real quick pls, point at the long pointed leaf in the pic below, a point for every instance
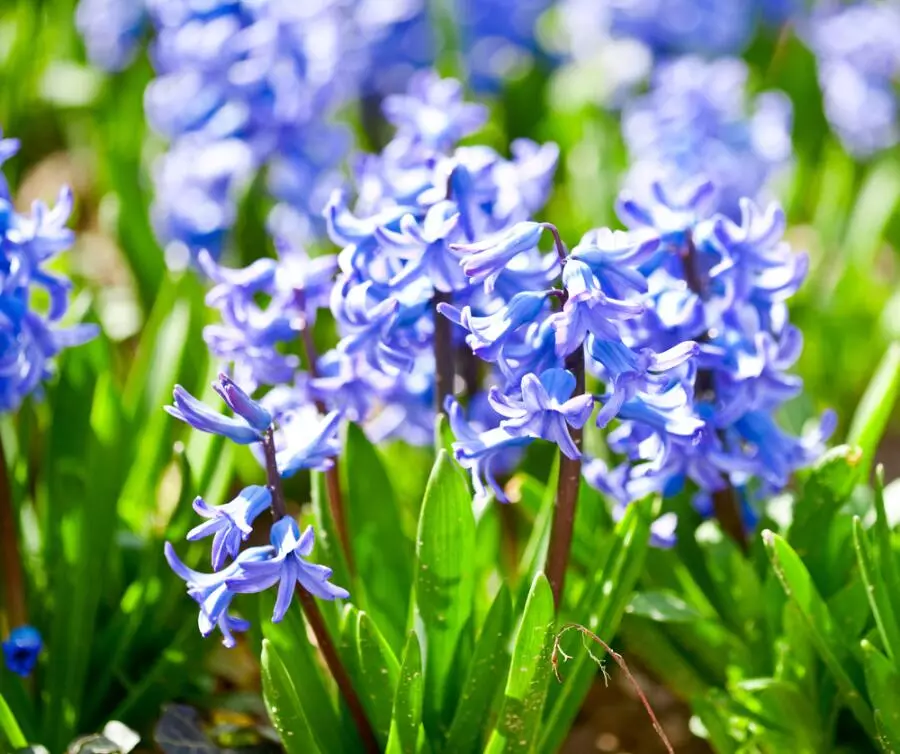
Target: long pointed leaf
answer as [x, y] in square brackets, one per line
[445, 584]
[283, 706]
[406, 717]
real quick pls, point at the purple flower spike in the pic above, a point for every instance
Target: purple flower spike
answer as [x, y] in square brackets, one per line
[230, 524]
[545, 409]
[287, 567]
[484, 261]
[200, 416]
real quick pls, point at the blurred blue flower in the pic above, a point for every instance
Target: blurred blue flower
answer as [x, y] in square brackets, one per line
[433, 113]
[287, 567]
[112, 30]
[230, 524]
[30, 336]
[21, 650]
[859, 64]
[706, 27]
[697, 120]
[499, 39]
[545, 408]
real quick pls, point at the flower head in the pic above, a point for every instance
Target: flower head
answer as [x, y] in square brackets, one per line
[230, 524]
[287, 567]
[545, 409]
[21, 650]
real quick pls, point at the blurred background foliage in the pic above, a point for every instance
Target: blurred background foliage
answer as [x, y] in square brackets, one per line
[104, 487]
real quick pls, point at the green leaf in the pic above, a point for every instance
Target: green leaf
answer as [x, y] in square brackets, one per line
[604, 600]
[328, 543]
[383, 555]
[876, 407]
[289, 639]
[444, 587]
[519, 719]
[665, 607]
[821, 628]
[283, 706]
[406, 717]
[826, 489]
[10, 728]
[876, 590]
[490, 663]
[883, 681]
[379, 672]
[715, 721]
[887, 561]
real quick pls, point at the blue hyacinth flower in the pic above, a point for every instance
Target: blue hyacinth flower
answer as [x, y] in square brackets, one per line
[481, 452]
[485, 261]
[545, 409]
[288, 568]
[200, 416]
[307, 447]
[230, 524]
[487, 335]
[210, 591]
[21, 650]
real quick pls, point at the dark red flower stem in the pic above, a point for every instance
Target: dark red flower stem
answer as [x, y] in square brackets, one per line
[726, 503]
[444, 368]
[332, 475]
[314, 616]
[10, 554]
[562, 527]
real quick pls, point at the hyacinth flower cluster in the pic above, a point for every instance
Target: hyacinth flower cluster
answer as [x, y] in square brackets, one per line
[243, 86]
[416, 201]
[285, 443]
[859, 66]
[682, 319]
[499, 39]
[30, 334]
[703, 27]
[112, 30]
[696, 120]
[723, 284]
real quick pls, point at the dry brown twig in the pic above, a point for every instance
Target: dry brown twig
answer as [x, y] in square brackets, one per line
[620, 661]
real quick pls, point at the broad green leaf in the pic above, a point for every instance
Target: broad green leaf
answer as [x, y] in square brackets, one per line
[876, 590]
[289, 639]
[783, 706]
[604, 601]
[825, 490]
[670, 662]
[379, 672]
[283, 706]
[876, 407]
[519, 719]
[383, 555]
[10, 728]
[406, 717]
[490, 663]
[831, 646]
[665, 607]
[875, 205]
[444, 586]
[883, 682]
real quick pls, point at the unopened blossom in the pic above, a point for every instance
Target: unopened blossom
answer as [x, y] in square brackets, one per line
[21, 650]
